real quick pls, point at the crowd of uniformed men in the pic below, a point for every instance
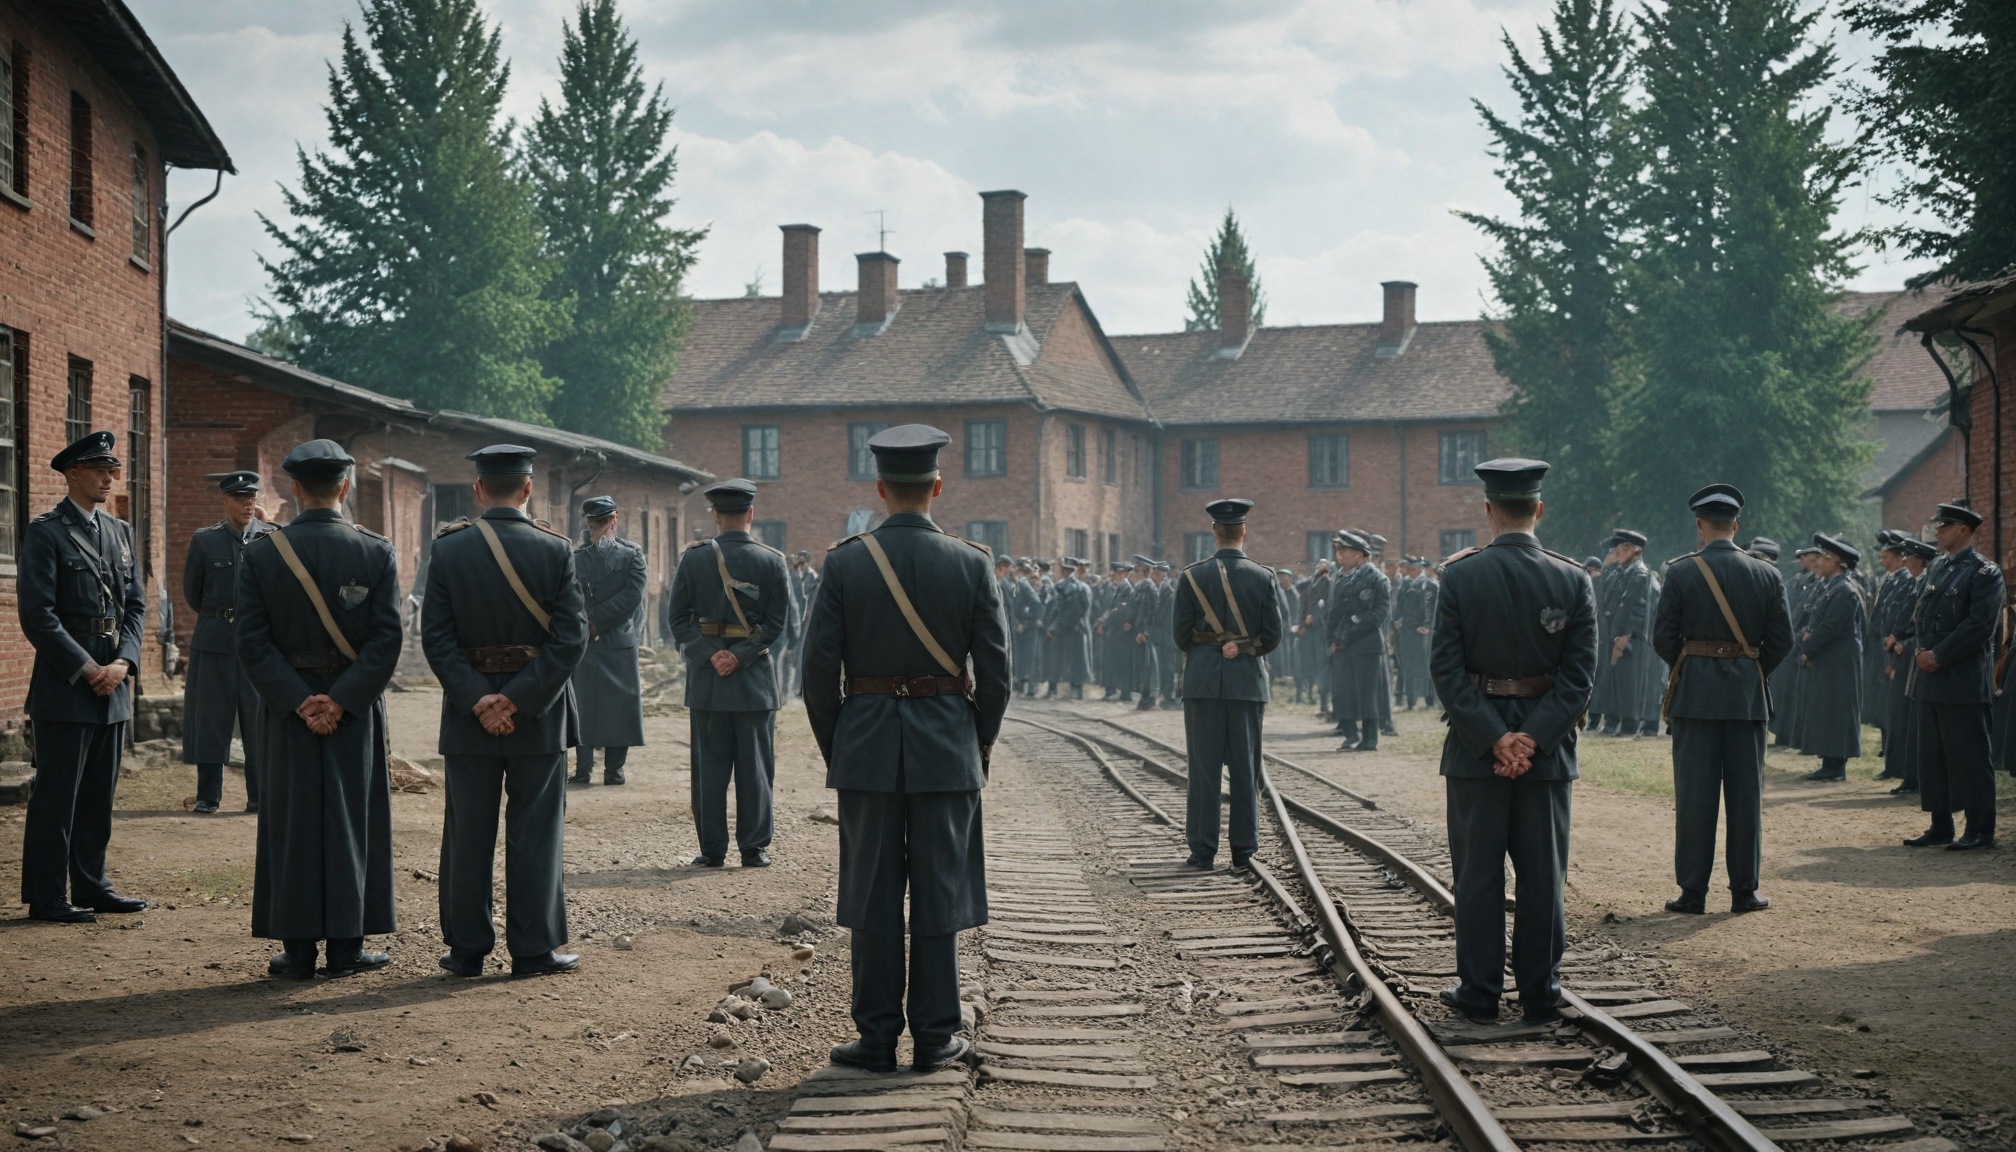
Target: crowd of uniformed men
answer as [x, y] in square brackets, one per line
[907, 647]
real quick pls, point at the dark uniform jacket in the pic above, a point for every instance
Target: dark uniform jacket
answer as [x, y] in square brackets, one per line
[1207, 675]
[1830, 681]
[1360, 601]
[761, 588]
[1708, 688]
[881, 743]
[469, 604]
[1955, 620]
[1511, 610]
[210, 583]
[612, 589]
[61, 590]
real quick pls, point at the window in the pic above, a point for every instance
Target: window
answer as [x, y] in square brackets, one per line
[860, 461]
[1113, 546]
[992, 533]
[140, 465]
[1074, 452]
[1109, 455]
[1197, 546]
[770, 532]
[10, 135]
[1461, 453]
[1454, 540]
[860, 520]
[80, 160]
[986, 447]
[1200, 464]
[77, 408]
[1330, 460]
[759, 452]
[13, 479]
[1077, 542]
[1316, 545]
[143, 208]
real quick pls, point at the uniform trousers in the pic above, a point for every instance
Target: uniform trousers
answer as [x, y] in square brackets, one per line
[534, 792]
[69, 819]
[1491, 818]
[1717, 763]
[210, 777]
[1954, 769]
[613, 758]
[732, 746]
[1147, 673]
[1222, 734]
[933, 845]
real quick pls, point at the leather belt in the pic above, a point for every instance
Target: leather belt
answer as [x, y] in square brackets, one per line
[328, 660]
[228, 615]
[93, 625]
[1525, 688]
[1246, 644]
[906, 686]
[502, 657]
[1719, 650]
[716, 628]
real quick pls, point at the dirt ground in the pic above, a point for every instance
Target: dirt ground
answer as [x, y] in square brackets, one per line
[1873, 960]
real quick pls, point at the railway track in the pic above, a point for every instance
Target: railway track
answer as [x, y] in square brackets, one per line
[1344, 921]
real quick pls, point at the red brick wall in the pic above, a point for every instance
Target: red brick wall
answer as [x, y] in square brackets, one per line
[1937, 479]
[1981, 464]
[75, 295]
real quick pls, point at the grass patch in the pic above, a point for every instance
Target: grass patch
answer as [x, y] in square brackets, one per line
[217, 881]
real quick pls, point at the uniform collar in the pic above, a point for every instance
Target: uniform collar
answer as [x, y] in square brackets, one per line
[77, 514]
[318, 515]
[1229, 554]
[909, 520]
[735, 535]
[1515, 540]
[1720, 544]
[505, 512]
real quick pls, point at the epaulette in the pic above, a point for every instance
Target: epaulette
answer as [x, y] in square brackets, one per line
[1682, 556]
[455, 525]
[49, 515]
[971, 543]
[217, 527]
[369, 532]
[547, 528]
[1466, 553]
[1568, 560]
[839, 544]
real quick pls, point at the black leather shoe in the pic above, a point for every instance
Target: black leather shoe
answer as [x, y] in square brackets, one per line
[117, 904]
[933, 1057]
[1930, 838]
[1971, 841]
[1201, 863]
[1886, 774]
[355, 962]
[205, 808]
[62, 912]
[1240, 860]
[615, 777]
[1904, 790]
[289, 968]
[1147, 703]
[547, 965]
[1691, 905]
[705, 861]
[1362, 746]
[1469, 1012]
[460, 963]
[1547, 1015]
[1748, 902]
[585, 776]
[756, 859]
[1822, 776]
[855, 1054]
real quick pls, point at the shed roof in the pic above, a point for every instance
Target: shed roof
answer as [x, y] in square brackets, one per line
[115, 39]
[1903, 376]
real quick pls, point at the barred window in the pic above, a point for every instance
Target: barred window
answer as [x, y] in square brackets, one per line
[143, 208]
[760, 459]
[1461, 453]
[986, 447]
[1077, 542]
[992, 533]
[1200, 464]
[1197, 546]
[1330, 460]
[861, 461]
[140, 465]
[77, 404]
[9, 139]
[13, 483]
[80, 160]
[770, 532]
[1074, 452]
[1454, 540]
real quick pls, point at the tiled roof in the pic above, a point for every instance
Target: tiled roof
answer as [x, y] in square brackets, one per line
[934, 351]
[1904, 375]
[1320, 372]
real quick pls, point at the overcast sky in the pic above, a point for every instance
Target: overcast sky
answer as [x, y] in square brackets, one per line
[1340, 130]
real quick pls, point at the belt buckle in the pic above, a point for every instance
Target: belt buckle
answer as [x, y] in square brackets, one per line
[899, 687]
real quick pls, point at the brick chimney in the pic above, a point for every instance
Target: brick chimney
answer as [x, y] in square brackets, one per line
[1235, 307]
[955, 269]
[1396, 326]
[876, 301]
[801, 277]
[1001, 224]
[1036, 265]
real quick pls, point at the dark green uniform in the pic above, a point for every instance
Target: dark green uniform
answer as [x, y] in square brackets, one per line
[606, 689]
[1355, 631]
[217, 696]
[1955, 621]
[1830, 675]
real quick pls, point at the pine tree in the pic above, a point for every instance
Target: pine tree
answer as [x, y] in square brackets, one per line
[602, 173]
[1203, 297]
[1555, 276]
[1743, 370]
[413, 266]
[1945, 107]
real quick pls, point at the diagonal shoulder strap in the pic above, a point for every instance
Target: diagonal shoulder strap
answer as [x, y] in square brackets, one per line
[544, 617]
[1722, 602]
[728, 585]
[1238, 617]
[293, 561]
[1204, 602]
[904, 606]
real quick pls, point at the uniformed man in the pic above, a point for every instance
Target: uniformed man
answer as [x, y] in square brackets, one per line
[1162, 634]
[1830, 657]
[1514, 657]
[1069, 629]
[1282, 663]
[1313, 622]
[504, 629]
[319, 635]
[1895, 588]
[1628, 602]
[1431, 603]
[1146, 609]
[82, 607]
[1005, 583]
[1722, 627]
[217, 695]
[728, 607]
[1955, 626]
[1227, 620]
[1025, 613]
[1356, 633]
[1411, 627]
[606, 689]
[902, 611]
[1901, 754]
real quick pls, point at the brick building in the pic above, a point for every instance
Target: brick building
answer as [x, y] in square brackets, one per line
[1973, 331]
[231, 408]
[90, 118]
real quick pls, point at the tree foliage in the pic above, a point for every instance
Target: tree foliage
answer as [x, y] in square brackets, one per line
[414, 265]
[602, 175]
[1203, 296]
[1944, 105]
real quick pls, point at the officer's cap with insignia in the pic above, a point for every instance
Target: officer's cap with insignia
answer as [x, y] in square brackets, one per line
[1627, 536]
[1592, 562]
[1512, 478]
[1809, 550]
[503, 460]
[907, 453]
[1141, 561]
[1912, 546]
[1842, 550]
[1117, 566]
[596, 507]
[736, 495]
[93, 450]
[1957, 513]
[1284, 572]
[1354, 542]
[1230, 510]
[1765, 547]
[1717, 502]
[317, 460]
[1890, 540]
[237, 483]
[1162, 566]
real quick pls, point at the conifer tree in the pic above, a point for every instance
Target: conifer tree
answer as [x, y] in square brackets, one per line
[1203, 297]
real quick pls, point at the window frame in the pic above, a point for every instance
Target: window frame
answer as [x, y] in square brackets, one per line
[1191, 463]
[77, 401]
[859, 432]
[1198, 546]
[772, 454]
[1074, 451]
[11, 143]
[771, 532]
[140, 468]
[83, 180]
[16, 127]
[1454, 540]
[975, 445]
[1109, 455]
[1316, 545]
[1452, 471]
[986, 532]
[143, 208]
[13, 445]
[1333, 450]
[1077, 542]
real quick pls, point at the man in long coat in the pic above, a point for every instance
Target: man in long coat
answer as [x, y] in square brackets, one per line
[1070, 628]
[319, 634]
[1951, 687]
[1025, 613]
[1900, 642]
[217, 696]
[606, 691]
[1355, 629]
[1626, 649]
[1830, 654]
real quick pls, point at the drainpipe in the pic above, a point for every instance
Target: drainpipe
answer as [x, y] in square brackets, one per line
[1037, 547]
[1995, 400]
[1155, 491]
[1400, 430]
